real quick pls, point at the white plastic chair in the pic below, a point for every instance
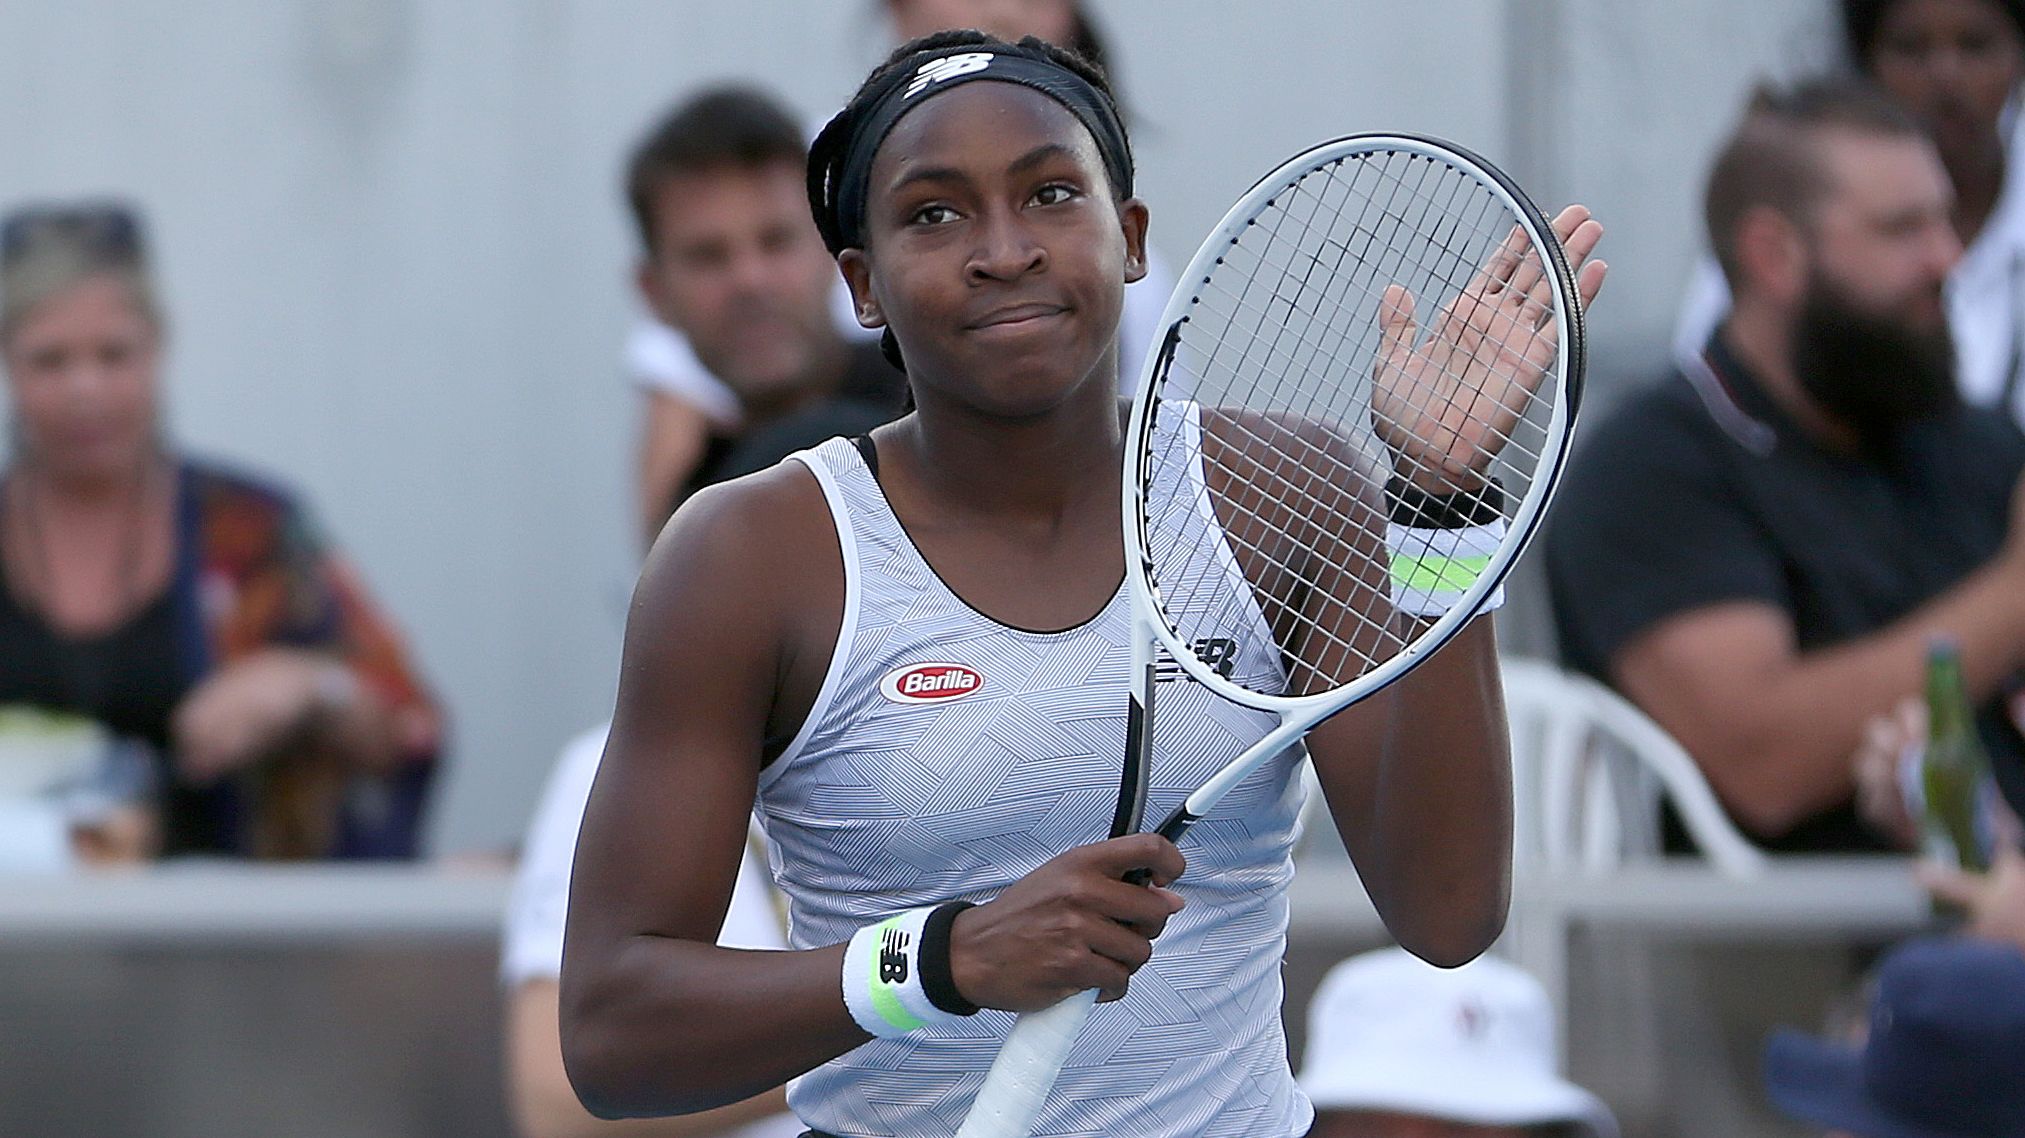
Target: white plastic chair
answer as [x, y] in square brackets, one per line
[1588, 770]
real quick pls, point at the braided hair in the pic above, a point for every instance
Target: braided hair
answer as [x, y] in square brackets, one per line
[831, 150]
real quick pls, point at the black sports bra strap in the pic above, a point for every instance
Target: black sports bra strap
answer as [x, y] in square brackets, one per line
[869, 452]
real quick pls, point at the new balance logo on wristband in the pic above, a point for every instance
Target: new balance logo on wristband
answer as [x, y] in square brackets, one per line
[893, 957]
[896, 973]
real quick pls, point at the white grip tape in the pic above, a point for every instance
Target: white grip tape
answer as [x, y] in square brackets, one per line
[1017, 1086]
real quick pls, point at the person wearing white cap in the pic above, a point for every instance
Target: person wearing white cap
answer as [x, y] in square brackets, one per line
[1398, 1048]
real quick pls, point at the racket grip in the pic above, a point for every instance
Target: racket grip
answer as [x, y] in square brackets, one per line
[1017, 1086]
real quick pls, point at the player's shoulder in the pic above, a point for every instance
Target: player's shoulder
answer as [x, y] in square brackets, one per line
[747, 536]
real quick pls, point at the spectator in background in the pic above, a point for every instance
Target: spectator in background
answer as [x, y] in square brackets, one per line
[539, 1094]
[1757, 551]
[1956, 65]
[1398, 1048]
[719, 191]
[189, 607]
[1943, 1057]
[1061, 22]
[1994, 902]
[732, 260]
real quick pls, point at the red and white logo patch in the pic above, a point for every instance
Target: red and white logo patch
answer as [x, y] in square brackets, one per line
[930, 683]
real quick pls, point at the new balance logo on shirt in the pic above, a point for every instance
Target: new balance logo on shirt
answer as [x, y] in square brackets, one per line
[1219, 652]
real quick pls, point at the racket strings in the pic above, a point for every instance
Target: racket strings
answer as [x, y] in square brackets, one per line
[1450, 255]
[1321, 351]
[1283, 342]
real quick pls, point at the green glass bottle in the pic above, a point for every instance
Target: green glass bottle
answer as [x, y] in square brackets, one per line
[1954, 766]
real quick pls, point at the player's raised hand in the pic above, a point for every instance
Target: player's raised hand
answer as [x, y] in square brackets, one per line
[1072, 925]
[1446, 403]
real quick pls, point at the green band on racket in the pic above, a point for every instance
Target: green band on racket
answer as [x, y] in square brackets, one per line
[1437, 574]
[884, 1001]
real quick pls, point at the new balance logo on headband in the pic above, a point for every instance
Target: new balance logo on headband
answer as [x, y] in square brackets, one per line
[948, 67]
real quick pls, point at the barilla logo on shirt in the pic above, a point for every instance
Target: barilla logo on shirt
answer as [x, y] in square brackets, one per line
[930, 683]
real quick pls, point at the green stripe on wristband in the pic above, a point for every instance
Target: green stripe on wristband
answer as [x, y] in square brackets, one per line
[1437, 574]
[884, 1001]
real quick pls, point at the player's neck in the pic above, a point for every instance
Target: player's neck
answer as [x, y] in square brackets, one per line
[1047, 465]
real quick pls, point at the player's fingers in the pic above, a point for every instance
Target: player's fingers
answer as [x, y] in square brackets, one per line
[1881, 735]
[1395, 321]
[1588, 274]
[1497, 271]
[1589, 281]
[1145, 910]
[1115, 942]
[1150, 852]
[1527, 275]
[1101, 972]
[1570, 219]
[1912, 718]
[1578, 243]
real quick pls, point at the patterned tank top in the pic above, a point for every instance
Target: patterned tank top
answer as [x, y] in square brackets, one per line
[947, 755]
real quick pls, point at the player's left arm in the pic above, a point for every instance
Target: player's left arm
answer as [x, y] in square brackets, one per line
[1418, 775]
[1418, 779]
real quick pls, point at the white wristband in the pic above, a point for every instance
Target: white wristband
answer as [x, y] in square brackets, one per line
[882, 976]
[1433, 568]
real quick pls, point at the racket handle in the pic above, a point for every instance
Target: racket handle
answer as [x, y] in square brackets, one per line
[1017, 1086]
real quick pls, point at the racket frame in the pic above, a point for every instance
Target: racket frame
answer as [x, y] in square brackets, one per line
[1525, 520]
[1016, 1088]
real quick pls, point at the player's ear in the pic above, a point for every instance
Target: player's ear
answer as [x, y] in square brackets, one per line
[858, 275]
[1132, 218]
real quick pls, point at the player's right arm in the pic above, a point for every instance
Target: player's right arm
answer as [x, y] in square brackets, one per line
[730, 633]
[655, 1018]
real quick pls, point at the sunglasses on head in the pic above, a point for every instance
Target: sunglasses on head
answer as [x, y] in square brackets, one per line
[108, 230]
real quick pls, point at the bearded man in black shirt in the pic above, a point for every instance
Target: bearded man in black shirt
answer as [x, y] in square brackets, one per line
[1758, 550]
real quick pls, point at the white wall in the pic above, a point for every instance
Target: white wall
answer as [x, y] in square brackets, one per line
[393, 248]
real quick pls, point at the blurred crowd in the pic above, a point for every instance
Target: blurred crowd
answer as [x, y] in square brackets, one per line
[1760, 549]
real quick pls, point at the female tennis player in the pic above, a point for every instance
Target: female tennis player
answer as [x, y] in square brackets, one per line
[911, 650]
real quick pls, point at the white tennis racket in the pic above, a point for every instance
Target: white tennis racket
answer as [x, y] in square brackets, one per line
[1317, 407]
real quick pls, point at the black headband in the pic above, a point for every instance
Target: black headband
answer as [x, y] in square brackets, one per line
[845, 187]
